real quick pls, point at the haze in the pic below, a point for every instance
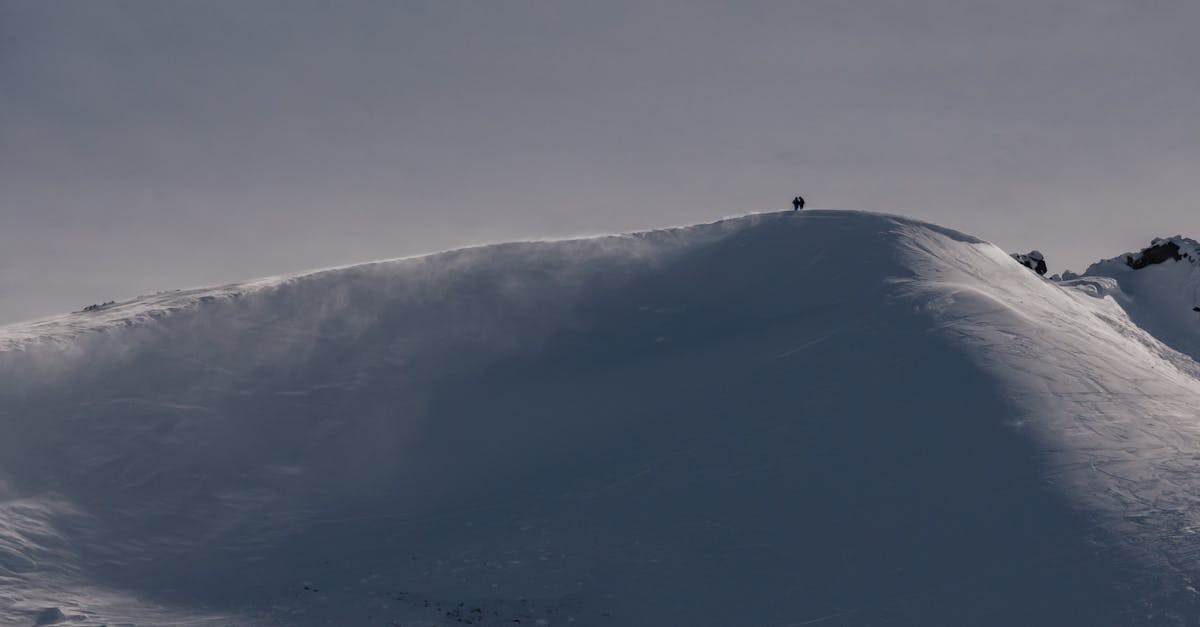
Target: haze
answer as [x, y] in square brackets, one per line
[157, 145]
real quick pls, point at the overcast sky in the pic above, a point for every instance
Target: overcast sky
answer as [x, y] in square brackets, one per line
[157, 145]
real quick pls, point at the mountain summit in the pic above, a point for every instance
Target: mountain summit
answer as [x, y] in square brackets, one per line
[815, 418]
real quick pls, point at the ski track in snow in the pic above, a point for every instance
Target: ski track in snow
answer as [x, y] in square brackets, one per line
[822, 418]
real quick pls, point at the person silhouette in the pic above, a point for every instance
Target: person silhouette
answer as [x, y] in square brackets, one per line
[797, 203]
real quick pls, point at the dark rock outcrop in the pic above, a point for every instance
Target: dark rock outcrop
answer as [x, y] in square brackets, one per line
[1161, 251]
[1032, 260]
[99, 306]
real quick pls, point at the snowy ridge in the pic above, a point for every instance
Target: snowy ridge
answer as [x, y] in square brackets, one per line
[146, 308]
[114, 314]
[1188, 248]
[1160, 298]
[781, 419]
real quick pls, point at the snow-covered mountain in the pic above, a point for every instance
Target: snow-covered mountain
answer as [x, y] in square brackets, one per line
[1161, 297]
[815, 418]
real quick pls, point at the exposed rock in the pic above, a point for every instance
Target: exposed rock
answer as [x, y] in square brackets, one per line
[1160, 251]
[99, 306]
[1033, 260]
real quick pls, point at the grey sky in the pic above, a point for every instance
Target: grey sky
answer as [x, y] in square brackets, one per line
[157, 145]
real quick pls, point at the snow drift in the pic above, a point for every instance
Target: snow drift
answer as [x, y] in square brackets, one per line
[1159, 287]
[729, 424]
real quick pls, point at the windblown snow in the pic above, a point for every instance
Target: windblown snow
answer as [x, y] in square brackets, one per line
[814, 418]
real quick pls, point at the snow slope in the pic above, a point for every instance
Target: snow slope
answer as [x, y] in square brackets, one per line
[815, 418]
[1160, 298]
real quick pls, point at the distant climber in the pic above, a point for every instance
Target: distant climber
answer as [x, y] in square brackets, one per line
[797, 203]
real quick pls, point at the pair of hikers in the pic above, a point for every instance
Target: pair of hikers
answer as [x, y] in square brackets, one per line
[797, 203]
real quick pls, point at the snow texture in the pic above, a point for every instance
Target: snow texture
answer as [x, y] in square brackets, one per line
[727, 424]
[1159, 297]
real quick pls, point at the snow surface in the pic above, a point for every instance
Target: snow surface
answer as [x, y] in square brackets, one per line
[813, 418]
[1160, 298]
